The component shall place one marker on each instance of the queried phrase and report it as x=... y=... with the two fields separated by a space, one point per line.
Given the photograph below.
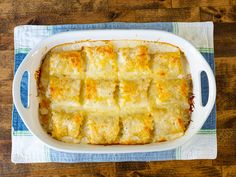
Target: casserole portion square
x=67 y=126
x=166 y=92
x=134 y=63
x=100 y=95
x=169 y=123
x=101 y=62
x=167 y=65
x=136 y=128
x=67 y=63
x=102 y=128
x=133 y=95
x=64 y=93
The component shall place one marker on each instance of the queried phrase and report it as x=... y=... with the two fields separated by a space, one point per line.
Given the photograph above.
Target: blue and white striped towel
x=27 y=149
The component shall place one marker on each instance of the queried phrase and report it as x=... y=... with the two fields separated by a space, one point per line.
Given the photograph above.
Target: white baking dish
x=33 y=60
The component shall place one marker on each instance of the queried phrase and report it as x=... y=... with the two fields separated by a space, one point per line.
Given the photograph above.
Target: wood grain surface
x=222 y=12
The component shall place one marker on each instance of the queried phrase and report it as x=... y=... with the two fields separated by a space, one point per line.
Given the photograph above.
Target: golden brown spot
x=184 y=88
x=106 y=50
x=162 y=140
x=74 y=58
x=162 y=93
x=55 y=91
x=138 y=61
x=181 y=124
x=130 y=88
x=100 y=56
x=174 y=59
x=162 y=73
x=90 y=89
x=142 y=58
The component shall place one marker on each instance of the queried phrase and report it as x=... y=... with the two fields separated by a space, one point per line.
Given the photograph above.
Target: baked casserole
x=115 y=92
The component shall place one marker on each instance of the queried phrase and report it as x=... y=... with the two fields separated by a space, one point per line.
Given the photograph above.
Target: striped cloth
x=27 y=149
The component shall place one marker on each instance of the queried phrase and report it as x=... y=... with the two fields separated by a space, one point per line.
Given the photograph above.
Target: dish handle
x=23 y=111
x=206 y=109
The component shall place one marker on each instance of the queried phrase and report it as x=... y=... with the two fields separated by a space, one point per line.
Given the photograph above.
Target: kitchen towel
x=27 y=149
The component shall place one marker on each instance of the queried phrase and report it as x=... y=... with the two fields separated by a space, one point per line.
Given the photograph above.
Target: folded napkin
x=27 y=149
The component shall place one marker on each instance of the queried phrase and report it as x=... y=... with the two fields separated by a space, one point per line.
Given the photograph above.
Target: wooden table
x=222 y=12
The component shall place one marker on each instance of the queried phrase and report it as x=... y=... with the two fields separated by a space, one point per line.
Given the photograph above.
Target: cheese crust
x=64 y=93
x=168 y=92
x=103 y=129
x=133 y=95
x=169 y=123
x=167 y=65
x=99 y=95
x=67 y=126
x=136 y=128
x=115 y=92
x=134 y=63
x=69 y=63
x=101 y=62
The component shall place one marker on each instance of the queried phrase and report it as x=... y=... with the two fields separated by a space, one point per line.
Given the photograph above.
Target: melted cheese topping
x=67 y=126
x=167 y=65
x=169 y=123
x=70 y=63
x=133 y=95
x=100 y=95
x=166 y=92
x=102 y=129
x=134 y=62
x=64 y=93
x=102 y=62
x=114 y=92
x=137 y=129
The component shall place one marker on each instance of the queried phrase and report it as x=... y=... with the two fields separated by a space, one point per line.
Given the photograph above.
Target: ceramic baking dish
x=33 y=60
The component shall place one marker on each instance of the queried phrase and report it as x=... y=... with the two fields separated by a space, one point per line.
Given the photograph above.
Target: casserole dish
x=33 y=61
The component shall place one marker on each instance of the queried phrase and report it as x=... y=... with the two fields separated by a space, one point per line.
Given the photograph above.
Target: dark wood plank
x=229 y=171
x=51 y=18
x=226 y=118
x=61 y=6
x=7 y=22
x=87 y=5
x=226 y=113
x=162 y=169
x=199 y=3
x=138 y=4
x=225 y=39
x=51 y=6
x=6 y=41
x=160 y=15
x=124 y=168
x=218 y=14
x=226 y=147
x=5 y=122
x=147 y=15
x=6 y=7
x=5 y=155
x=6 y=76
x=226 y=81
